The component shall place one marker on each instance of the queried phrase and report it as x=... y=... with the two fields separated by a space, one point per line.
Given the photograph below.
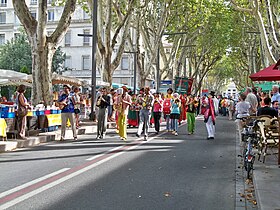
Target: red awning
x=267 y=74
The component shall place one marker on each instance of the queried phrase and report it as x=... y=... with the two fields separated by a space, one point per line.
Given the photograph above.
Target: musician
x=103 y=101
x=146 y=102
x=191 y=105
x=123 y=102
x=65 y=103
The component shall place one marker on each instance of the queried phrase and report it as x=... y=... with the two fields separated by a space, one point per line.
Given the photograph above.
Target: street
x=166 y=172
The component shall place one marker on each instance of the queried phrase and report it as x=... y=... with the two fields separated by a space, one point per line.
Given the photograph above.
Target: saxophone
x=98 y=103
x=119 y=104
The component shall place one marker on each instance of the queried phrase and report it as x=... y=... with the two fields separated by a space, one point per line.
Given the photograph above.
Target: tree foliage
x=16 y=55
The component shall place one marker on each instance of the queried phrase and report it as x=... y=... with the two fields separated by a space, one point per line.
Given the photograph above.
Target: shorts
x=77 y=111
x=174 y=116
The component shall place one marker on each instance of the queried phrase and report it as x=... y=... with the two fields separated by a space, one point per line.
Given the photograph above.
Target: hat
x=67 y=86
x=212 y=93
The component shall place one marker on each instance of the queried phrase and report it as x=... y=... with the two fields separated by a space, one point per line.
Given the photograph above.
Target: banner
x=54 y=119
x=165 y=85
x=183 y=85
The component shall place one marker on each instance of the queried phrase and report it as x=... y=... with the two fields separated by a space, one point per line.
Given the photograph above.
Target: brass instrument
x=119 y=105
x=98 y=103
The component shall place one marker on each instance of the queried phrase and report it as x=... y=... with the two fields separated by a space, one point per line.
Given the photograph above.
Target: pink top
x=158 y=105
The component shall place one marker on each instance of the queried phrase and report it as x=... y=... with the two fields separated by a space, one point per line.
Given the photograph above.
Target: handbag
x=22 y=111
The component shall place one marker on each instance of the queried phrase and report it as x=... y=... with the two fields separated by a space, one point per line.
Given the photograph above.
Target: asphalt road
x=166 y=172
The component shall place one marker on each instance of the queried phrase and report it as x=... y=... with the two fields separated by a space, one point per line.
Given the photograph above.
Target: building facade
x=77 y=48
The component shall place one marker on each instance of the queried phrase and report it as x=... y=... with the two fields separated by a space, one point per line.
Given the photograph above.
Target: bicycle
x=251 y=137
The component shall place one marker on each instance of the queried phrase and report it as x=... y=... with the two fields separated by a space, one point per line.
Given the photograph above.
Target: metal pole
x=134 y=74
x=93 y=59
x=158 y=70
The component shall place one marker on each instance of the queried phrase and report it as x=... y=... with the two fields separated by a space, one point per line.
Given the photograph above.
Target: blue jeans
x=174 y=124
x=168 y=123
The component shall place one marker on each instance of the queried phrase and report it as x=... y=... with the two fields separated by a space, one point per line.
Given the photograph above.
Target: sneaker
x=173 y=132
x=75 y=139
x=98 y=137
x=176 y=134
x=137 y=135
x=62 y=139
x=189 y=133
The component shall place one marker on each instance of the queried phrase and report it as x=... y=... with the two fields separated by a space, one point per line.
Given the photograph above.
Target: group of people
x=257 y=103
x=143 y=109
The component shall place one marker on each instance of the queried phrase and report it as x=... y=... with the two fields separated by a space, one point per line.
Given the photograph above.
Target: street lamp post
x=93 y=58
x=93 y=73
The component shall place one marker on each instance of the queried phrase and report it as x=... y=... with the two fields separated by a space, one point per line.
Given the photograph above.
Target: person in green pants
x=191 y=110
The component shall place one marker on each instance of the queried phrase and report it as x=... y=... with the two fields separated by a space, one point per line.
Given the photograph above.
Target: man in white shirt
x=253 y=101
x=275 y=92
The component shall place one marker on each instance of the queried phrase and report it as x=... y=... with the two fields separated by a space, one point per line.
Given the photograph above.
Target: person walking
x=77 y=105
x=66 y=104
x=21 y=111
x=231 y=108
x=209 y=116
x=133 y=115
x=167 y=108
x=175 y=113
x=103 y=101
x=242 y=110
x=253 y=101
x=192 y=105
x=157 y=110
x=183 y=108
x=123 y=103
x=146 y=102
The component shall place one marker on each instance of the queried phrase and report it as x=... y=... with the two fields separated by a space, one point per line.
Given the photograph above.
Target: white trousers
x=210 y=127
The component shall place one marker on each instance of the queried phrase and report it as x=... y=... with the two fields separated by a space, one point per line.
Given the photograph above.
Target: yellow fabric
x=122 y=125
x=169 y=96
x=54 y=119
x=3 y=126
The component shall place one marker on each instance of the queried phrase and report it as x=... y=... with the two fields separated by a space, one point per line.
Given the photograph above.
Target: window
x=33 y=2
x=86 y=62
x=51 y=15
x=67 y=63
x=16 y=35
x=2 y=17
x=125 y=63
x=50 y=1
x=86 y=38
x=67 y=40
x=33 y=14
x=2 y=39
x=3 y=3
x=85 y=15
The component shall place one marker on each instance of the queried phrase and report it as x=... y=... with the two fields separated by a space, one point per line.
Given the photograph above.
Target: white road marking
x=3 y=194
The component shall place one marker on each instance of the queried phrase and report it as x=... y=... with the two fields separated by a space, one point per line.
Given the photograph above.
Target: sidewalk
x=266 y=179
x=87 y=127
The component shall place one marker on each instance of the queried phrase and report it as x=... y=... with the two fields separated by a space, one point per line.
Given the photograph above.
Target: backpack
x=167 y=106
